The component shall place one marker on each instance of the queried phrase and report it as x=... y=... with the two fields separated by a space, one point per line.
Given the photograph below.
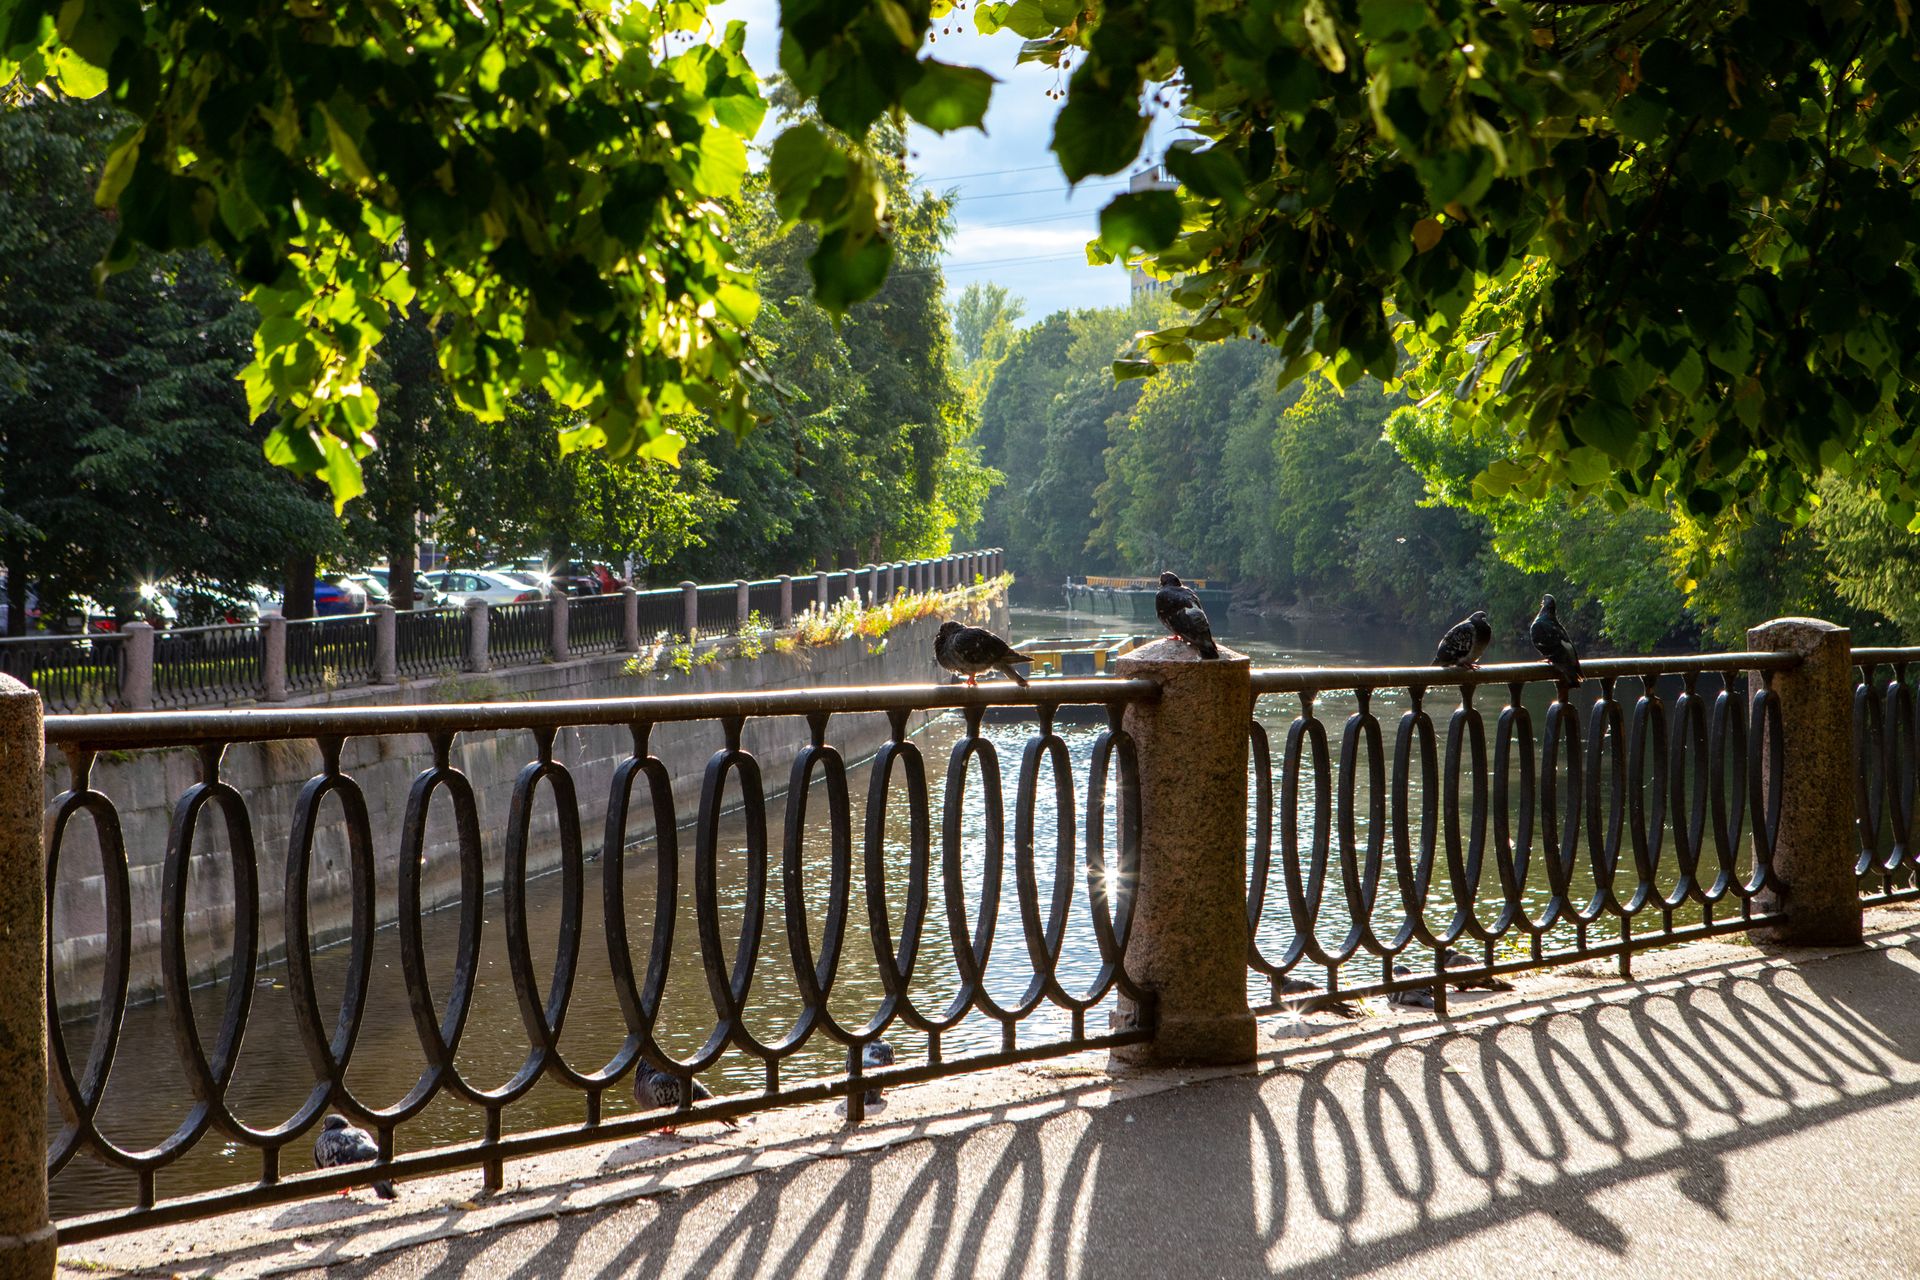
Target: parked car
x=602 y=578
x=334 y=597
x=148 y=604
x=575 y=577
x=425 y=594
x=489 y=584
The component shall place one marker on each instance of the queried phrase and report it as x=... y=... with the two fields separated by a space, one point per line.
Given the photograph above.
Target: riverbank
x=1722 y=1112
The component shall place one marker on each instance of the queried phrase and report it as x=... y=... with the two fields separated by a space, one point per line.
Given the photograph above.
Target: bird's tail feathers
x=1208 y=649
x=1013 y=673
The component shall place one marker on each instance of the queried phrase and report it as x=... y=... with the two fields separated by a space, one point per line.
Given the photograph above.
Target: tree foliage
x=126 y=451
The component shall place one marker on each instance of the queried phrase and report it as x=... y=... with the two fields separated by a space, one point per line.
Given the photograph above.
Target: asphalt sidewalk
x=1729 y=1112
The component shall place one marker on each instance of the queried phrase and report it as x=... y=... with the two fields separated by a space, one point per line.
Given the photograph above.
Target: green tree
x=127 y=455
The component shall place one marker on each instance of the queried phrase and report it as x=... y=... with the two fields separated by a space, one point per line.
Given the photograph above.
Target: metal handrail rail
x=179 y=728
x=1885 y=653
x=1313 y=679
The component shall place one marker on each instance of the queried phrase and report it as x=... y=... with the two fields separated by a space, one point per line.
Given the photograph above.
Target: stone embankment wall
x=146 y=787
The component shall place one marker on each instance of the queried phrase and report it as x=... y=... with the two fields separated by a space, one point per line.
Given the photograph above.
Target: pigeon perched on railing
x=1465 y=641
x=1180 y=611
x=969 y=651
x=877 y=1054
x=340 y=1144
x=657 y=1090
x=1551 y=639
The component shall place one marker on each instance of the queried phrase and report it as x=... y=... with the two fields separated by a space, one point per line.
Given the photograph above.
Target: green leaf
x=1607 y=427
x=345 y=149
x=118 y=169
x=1687 y=376
x=948 y=97
x=1028 y=18
x=1214 y=174
x=1096 y=133
x=77 y=77
x=1142 y=221
x=848 y=268
x=800 y=157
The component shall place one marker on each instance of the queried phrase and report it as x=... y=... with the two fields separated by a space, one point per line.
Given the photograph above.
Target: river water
x=147 y=1095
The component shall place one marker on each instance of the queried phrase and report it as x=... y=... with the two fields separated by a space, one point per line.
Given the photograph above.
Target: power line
x=1040 y=191
x=988 y=173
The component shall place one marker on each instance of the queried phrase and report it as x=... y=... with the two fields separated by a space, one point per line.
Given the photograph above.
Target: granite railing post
x=786 y=600
x=479 y=657
x=690 y=609
x=742 y=604
x=821 y=589
x=887 y=580
x=1813 y=857
x=386 y=645
x=1189 y=940
x=557 y=618
x=136 y=670
x=629 y=620
x=273 y=657
x=27 y=1241
x=872 y=571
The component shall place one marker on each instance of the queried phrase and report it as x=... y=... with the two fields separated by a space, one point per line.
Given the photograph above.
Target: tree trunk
x=297 y=601
x=400 y=565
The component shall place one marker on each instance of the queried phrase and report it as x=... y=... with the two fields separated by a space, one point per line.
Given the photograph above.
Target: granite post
x=479 y=656
x=136 y=668
x=558 y=614
x=786 y=600
x=1814 y=854
x=386 y=645
x=1189 y=940
x=27 y=1239
x=273 y=657
x=629 y=619
x=690 y=609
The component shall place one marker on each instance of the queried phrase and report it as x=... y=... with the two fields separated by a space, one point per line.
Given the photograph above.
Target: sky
x=1017 y=224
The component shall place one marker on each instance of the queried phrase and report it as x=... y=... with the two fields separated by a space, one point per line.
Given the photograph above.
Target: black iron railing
x=719 y=610
x=1644 y=813
x=1886 y=762
x=520 y=633
x=195 y=666
x=72 y=673
x=763 y=598
x=663 y=614
x=936 y=910
x=596 y=624
x=329 y=653
x=841 y=586
x=430 y=642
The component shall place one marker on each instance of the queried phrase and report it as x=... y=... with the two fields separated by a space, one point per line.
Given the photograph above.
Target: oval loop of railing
x=1305 y=890
x=1689 y=804
x=543 y=1020
x=209 y=1074
x=328 y=1052
x=439 y=1036
x=1727 y=748
x=971 y=947
x=1465 y=732
x=1044 y=933
x=1360 y=871
x=1512 y=854
x=726 y=988
x=1647 y=805
x=635 y=1008
x=1112 y=883
x=1260 y=866
x=1560 y=842
x=1900 y=758
x=814 y=974
x=1415 y=869
x=79 y=1095
x=1605 y=806
x=1869 y=775
x=1766 y=781
x=896 y=960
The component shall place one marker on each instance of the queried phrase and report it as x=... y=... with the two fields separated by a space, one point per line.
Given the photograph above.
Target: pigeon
x=1412 y=997
x=968 y=651
x=1550 y=638
x=876 y=1055
x=1464 y=642
x=1302 y=996
x=1180 y=610
x=657 y=1090
x=341 y=1144
x=1451 y=959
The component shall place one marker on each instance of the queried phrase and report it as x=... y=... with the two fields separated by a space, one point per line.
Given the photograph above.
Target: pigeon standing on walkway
x=1410 y=997
x=968 y=651
x=1464 y=642
x=340 y=1144
x=657 y=1090
x=1551 y=639
x=876 y=1055
x=1180 y=611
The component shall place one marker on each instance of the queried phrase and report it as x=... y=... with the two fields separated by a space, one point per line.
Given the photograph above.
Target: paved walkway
x=1746 y=1115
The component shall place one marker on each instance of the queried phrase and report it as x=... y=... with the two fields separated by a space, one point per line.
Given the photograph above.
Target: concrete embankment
x=147 y=786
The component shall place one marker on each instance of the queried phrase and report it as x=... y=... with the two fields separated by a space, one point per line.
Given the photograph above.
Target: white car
x=490 y=585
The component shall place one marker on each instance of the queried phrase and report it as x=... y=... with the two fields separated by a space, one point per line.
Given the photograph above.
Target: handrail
x=182 y=728
x=1311 y=679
